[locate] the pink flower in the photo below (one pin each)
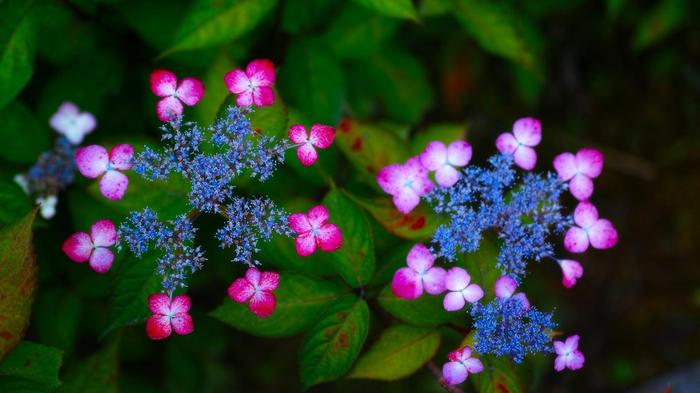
(321, 137)
(443, 160)
(571, 271)
(460, 291)
(253, 84)
(527, 133)
(568, 355)
(459, 367)
(93, 161)
(164, 84)
(409, 282)
(81, 246)
(256, 288)
(406, 183)
(505, 287)
(313, 231)
(598, 232)
(168, 316)
(579, 170)
(71, 123)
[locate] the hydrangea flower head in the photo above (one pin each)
(71, 123)
(579, 170)
(420, 275)
(94, 161)
(406, 183)
(589, 229)
(459, 367)
(321, 136)
(527, 133)
(313, 230)
(164, 84)
(81, 246)
(168, 316)
(460, 291)
(571, 271)
(568, 354)
(252, 86)
(256, 289)
(444, 160)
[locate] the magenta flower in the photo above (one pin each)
(252, 86)
(93, 162)
(406, 183)
(568, 355)
(409, 282)
(571, 271)
(579, 170)
(81, 246)
(460, 291)
(527, 133)
(256, 289)
(164, 84)
(321, 137)
(313, 230)
(598, 232)
(168, 315)
(459, 367)
(505, 287)
(443, 160)
(71, 123)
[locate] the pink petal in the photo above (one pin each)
(602, 235)
(565, 165)
(434, 280)
(575, 360)
(190, 91)
(447, 176)
(406, 200)
(460, 355)
(559, 347)
(459, 153)
(525, 157)
(305, 244)
(263, 96)
(528, 131)
(121, 157)
(523, 300)
(299, 223)
(420, 259)
(576, 240)
(297, 134)
(253, 276)
(169, 109)
(158, 327)
(453, 301)
(560, 363)
(92, 160)
(182, 324)
(390, 178)
(504, 287)
(581, 187)
(101, 259)
(67, 108)
(240, 290)
(163, 83)
(159, 303)
(329, 238)
(180, 304)
(103, 233)
(454, 373)
(506, 143)
(406, 284)
(571, 271)
(434, 156)
(269, 281)
(585, 214)
(261, 72)
(473, 365)
(322, 136)
(571, 343)
(237, 81)
(245, 98)
(456, 279)
(78, 247)
(472, 293)
(113, 185)
(263, 304)
(307, 154)
(318, 215)
(589, 162)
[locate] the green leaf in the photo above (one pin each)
(443, 132)
(391, 261)
(213, 22)
(481, 266)
(662, 21)
(216, 91)
(400, 351)
(31, 368)
(427, 310)
(56, 317)
(354, 260)
(14, 202)
(300, 300)
(99, 373)
(306, 15)
(17, 281)
(24, 138)
(394, 8)
(499, 375)
(333, 343)
(17, 47)
(272, 119)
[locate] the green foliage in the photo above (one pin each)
(499, 375)
(17, 46)
(665, 18)
(427, 310)
(98, 373)
(26, 138)
(394, 8)
(31, 368)
(15, 203)
(357, 32)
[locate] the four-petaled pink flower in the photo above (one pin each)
(527, 133)
(313, 230)
(460, 291)
(168, 316)
(81, 246)
(93, 161)
(410, 282)
(252, 86)
(568, 355)
(443, 160)
(406, 183)
(598, 232)
(256, 288)
(505, 287)
(579, 170)
(571, 271)
(459, 367)
(71, 123)
(164, 84)
(321, 137)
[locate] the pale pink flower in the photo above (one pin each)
(71, 123)
(93, 247)
(168, 316)
(420, 275)
(505, 287)
(571, 271)
(460, 291)
(313, 230)
(406, 183)
(579, 170)
(164, 84)
(589, 229)
(93, 161)
(568, 355)
(256, 290)
(527, 133)
(459, 367)
(321, 137)
(252, 86)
